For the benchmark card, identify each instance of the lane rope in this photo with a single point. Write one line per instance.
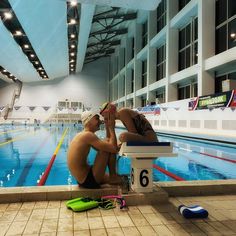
(44, 177)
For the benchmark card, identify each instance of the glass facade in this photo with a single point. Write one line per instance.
(225, 25)
(161, 63)
(183, 3)
(144, 74)
(144, 34)
(161, 16)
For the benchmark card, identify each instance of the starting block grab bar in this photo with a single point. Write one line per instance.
(142, 155)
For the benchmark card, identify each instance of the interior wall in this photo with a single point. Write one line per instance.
(90, 87)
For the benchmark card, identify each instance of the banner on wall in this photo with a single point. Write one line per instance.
(225, 99)
(45, 108)
(17, 107)
(154, 110)
(32, 108)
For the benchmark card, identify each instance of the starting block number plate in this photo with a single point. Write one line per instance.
(141, 177)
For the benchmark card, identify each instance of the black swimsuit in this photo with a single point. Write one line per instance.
(141, 124)
(90, 181)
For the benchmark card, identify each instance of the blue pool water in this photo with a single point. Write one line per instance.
(25, 152)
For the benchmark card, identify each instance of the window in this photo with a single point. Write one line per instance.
(132, 81)
(225, 25)
(123, 86)
(161, 16)
(188, 45)
(160, 97)
(132, 47)
(144, 74)
(144, 34)
(161, 63)
(143, 102)
(183, 3)
(184, 92)
(194, 91)
(220, 79)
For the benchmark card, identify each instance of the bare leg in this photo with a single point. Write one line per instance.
(150, 136)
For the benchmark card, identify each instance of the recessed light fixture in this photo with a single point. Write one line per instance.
(73, 3)
(26, 46)
(72, 36)
(36, 63)
(72, 54)
(72, 65)
(233, 35)
(72, 46)
(18, 33)
(4, 70)
(72, 21)
(7, 15)
(72, 61)
(32, 55)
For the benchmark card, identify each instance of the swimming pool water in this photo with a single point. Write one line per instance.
(25, 152)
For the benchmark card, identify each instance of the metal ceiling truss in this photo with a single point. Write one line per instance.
(108, 36)
(73, 9)
(13, 25)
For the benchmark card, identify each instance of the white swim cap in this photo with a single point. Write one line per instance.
(86, 116)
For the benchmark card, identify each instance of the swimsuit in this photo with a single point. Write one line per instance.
(90, 181)
(141, 124)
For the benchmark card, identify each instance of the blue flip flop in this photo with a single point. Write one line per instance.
(193, 211)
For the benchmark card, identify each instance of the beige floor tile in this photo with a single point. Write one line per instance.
(94, 212)
(81, 224)
(28, 205)
(178, 217)
(95, 223)
(192, 229)
(165, 218)
(82, 233)
(8, 216)
(41, 205)
(146, 209)
(218, 215)
(223, 229)
(131, 231)
(78, 215)
(146, 230)
(65, 213)
(115, 232)
(67, 233)
(153, 219)
(49, 226)
(98, 232)
(177, 229)
(54, 204)
(16, 228)
(139, 220)
(110, 222)
(4, 206)
(51, 213)
(37, 214)
(14, 206)
(162, 230)
(165, 208)
(230, 224)
(133, 210)
(65, 224)
(206, 228)
(109, 212)
(48, 234)
(23, 215)
(33, 227)
(4, 226)
(125, 221)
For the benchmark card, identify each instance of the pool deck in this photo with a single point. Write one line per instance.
(42, 210)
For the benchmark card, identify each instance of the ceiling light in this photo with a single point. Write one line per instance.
(72, 54)
(36, 63)
(18, 33)
(72, 46)
(26, 46)
(72, 61)
(72, 22)
(8, 15)
(45, 77)
(72, 36)
(32, 55)
(73, 3)
(42, 72)
(72, 65)
(232, 35)
(40, 68)
(4, 71)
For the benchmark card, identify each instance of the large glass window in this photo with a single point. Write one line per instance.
(132, 81)
(143, 101)
(161, 63)
(161, 15)
(225, 25)
(144, 74)
(144, 34)
(183, 3)
(132, 47)
(188, 45)
(160, 97)
(184, 92)
(219, 80)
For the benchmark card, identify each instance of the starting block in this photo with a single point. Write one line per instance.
(142, 155)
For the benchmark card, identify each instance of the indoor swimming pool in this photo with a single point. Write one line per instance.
(26, 151)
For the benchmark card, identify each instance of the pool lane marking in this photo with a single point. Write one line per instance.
(168, 173)
(11, 131)
(28, 166)
(49, 166)
(206, 154)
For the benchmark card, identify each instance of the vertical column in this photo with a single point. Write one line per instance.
(206, 45)
(171, 51)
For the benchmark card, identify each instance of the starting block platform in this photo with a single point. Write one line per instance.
(142, 155)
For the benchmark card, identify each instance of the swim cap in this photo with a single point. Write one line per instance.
(86, 116)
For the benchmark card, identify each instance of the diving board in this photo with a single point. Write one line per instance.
(142, 155)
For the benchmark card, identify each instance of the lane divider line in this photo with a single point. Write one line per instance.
(168, 173)
(44, 177)
(24, 173)
(206, 154)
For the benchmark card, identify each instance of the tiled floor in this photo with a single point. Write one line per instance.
(52, 218)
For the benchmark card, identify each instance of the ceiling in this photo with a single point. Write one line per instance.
(44, 23)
